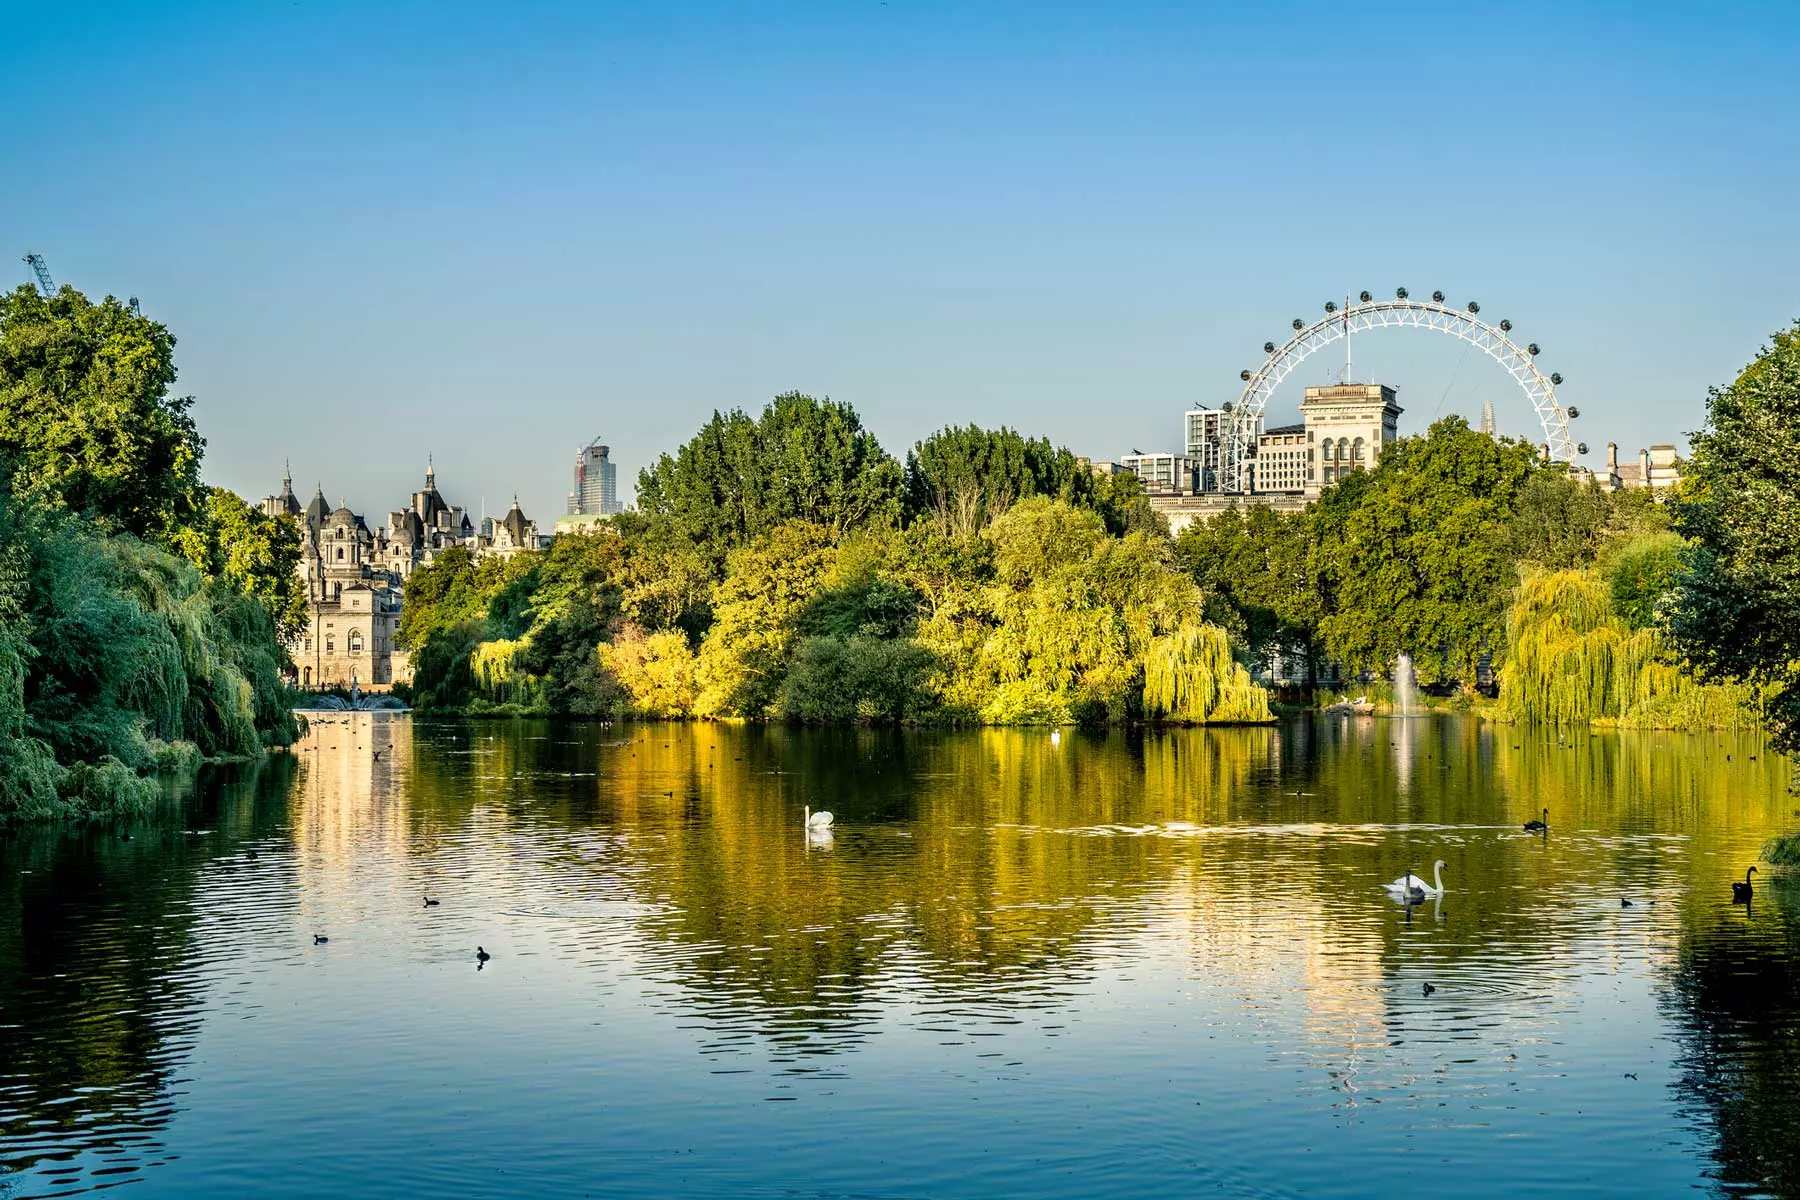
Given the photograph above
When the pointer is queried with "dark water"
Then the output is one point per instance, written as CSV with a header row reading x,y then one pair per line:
x,y
1120,966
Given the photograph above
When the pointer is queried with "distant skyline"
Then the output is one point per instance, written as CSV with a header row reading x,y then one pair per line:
x,y
489,234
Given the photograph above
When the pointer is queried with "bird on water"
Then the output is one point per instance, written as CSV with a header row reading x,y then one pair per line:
x,y
320,939
430,903
817,820
1740,892
481,955
1539,826
1411,885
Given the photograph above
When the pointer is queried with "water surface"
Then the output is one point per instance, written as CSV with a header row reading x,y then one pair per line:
x,y
1126,965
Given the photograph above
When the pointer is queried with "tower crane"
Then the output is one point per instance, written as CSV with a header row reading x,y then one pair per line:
x,y
39,268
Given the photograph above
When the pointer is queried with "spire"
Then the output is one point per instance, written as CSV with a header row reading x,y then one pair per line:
x,y
430,473
287,477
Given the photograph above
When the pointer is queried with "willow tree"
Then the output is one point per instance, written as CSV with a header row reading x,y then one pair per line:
x,y
1190,675
1572,660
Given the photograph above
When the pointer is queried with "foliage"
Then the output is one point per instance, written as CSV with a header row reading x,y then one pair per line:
x,y
255,554
1782,851
455,588
1571,660
963,477
1191,676
1641,574
1735,614
861,678
757,610
86,421
117,658
1410,557
1256,564
655,669
803,460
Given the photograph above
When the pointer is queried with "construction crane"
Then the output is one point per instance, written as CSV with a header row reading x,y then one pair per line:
x,y
39,268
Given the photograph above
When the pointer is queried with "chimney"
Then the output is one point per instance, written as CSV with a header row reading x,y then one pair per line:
x,y
1612,457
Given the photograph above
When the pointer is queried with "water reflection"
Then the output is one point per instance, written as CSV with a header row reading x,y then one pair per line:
x,y
1135,925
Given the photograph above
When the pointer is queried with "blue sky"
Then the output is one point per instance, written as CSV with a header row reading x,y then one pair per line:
x,y
490,232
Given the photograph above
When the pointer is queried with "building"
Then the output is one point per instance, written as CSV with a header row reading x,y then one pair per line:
x,y
355,577
1161,472
1658,468
1283,461
1342,428
513,534
1348,424
596,491
1206,429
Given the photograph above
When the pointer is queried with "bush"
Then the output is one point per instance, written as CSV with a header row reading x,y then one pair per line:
x,y
869,680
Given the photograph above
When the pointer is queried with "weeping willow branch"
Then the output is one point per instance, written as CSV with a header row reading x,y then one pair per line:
x,y
1572,661
1190,675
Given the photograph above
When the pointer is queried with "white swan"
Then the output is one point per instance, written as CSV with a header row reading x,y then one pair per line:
x,y
1056,737
817,820
1412,885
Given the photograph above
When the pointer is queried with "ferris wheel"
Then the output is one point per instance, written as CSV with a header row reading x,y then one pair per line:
x,y
1366,313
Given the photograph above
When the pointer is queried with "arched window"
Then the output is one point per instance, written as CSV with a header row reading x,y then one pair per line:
x,y
356,642
1357,451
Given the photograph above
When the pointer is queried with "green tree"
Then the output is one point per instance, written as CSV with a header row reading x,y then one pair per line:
x,y
251,552
757,610
802,460
1735,614
86,418
1256,562
962,477
455,588
1412,556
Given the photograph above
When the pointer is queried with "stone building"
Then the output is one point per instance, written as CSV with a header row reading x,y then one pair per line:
x,y
1658,468
355,578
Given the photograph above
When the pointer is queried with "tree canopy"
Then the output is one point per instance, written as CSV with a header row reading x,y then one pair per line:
x,y
86,418
1735,613
801,460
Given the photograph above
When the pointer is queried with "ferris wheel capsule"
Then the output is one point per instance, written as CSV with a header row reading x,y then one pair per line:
x,y
1556,379
1532,349
1573,412
1399,293
1366,297
1299,324
1474,307
1437,297
1268,347
1244,375
1505,326
1581,447
1331,306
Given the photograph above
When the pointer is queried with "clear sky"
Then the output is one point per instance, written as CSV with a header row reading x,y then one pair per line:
x,y
490,232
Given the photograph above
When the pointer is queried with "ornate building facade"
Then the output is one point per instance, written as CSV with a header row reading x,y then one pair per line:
x,y
356,576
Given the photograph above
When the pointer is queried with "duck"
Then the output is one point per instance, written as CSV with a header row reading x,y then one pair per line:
x,y
1426,989
1740,892
1539,826
430,903
320,939
481,955
1410,885
1624,903
817,820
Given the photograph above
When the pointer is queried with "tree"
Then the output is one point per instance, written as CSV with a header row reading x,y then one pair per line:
x,y
251,552
455,588
86,418
1735,614
962,477
1411,557
1256,562
802,460
757,610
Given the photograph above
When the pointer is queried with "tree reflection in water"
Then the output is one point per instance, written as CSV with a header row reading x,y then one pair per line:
x,y
1736,1000
100,1000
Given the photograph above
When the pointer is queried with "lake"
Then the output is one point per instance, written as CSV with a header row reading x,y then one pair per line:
x,y
1126,964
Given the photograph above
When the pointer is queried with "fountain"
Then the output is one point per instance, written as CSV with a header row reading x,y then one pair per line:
x,y
1403,685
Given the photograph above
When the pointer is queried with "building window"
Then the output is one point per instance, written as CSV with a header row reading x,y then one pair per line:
x,y
355,641
308,647
1357,450
340,554
330,644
